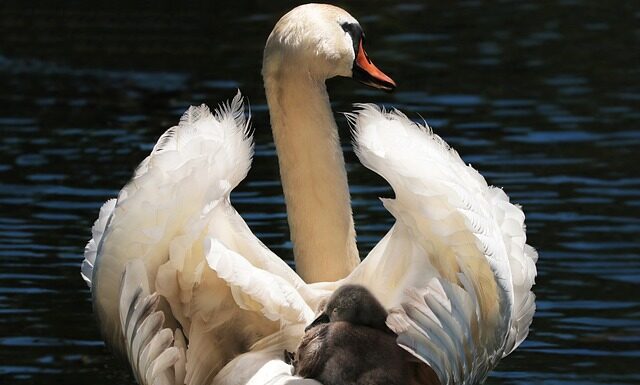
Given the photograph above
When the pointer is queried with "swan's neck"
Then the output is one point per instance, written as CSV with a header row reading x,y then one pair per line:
x,y
313,175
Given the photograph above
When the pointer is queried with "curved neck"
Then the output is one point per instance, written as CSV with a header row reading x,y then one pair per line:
x,y
313,175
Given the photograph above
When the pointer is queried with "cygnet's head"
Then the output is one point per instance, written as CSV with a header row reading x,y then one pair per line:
x,y
321,41
356,305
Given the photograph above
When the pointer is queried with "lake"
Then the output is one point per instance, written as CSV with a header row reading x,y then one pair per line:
x,y
542,97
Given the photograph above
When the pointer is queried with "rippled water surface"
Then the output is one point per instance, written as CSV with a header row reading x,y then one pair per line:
x,y
542,97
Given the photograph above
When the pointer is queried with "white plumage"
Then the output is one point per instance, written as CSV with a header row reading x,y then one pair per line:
x,y
189,295
444,267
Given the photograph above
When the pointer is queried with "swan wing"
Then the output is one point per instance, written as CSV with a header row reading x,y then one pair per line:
x,y
260,291
147,260
455,266
156,354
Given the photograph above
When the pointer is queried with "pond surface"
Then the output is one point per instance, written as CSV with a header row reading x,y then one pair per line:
x,y
542,97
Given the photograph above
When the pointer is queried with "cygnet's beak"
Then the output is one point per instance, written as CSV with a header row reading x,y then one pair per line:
x,y
367,73
323,318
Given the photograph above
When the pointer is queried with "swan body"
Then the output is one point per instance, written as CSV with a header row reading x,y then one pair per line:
x,y
189,295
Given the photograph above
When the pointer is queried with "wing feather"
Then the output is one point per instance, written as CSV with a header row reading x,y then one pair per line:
x,y
462,272
149,347
146,265
91,249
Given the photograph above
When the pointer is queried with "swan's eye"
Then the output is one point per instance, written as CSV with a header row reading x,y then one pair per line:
x,y
355,31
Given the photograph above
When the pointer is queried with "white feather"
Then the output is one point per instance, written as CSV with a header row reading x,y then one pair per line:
x,y
149,348
86,270
454,236
255,289
157,235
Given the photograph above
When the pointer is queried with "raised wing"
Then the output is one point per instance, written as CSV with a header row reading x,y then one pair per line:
x,y
455,266
158,301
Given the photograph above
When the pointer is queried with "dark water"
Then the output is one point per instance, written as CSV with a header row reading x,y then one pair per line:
x,y
542,97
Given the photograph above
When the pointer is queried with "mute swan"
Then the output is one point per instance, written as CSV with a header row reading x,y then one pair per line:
x,y
188,294
350,343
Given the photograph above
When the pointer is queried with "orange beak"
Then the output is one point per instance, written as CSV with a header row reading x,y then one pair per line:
x,y
367,73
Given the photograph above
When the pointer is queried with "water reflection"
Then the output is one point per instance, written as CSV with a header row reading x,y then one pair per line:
x,y
541,97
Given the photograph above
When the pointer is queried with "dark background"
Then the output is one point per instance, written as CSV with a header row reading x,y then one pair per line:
x,y
543,97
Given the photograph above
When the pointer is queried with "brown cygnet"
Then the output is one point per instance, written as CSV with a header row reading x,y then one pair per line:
x,y
350,344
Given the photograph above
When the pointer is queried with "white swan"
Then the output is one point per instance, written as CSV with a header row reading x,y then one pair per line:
x,y
184,289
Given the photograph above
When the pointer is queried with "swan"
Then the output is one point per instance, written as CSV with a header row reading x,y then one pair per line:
x,y
185,291
350,343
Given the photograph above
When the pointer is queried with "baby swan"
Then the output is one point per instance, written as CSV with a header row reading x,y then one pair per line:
x,y
350,344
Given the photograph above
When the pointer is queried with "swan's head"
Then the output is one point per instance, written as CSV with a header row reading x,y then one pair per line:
x,y
354,304
323,41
